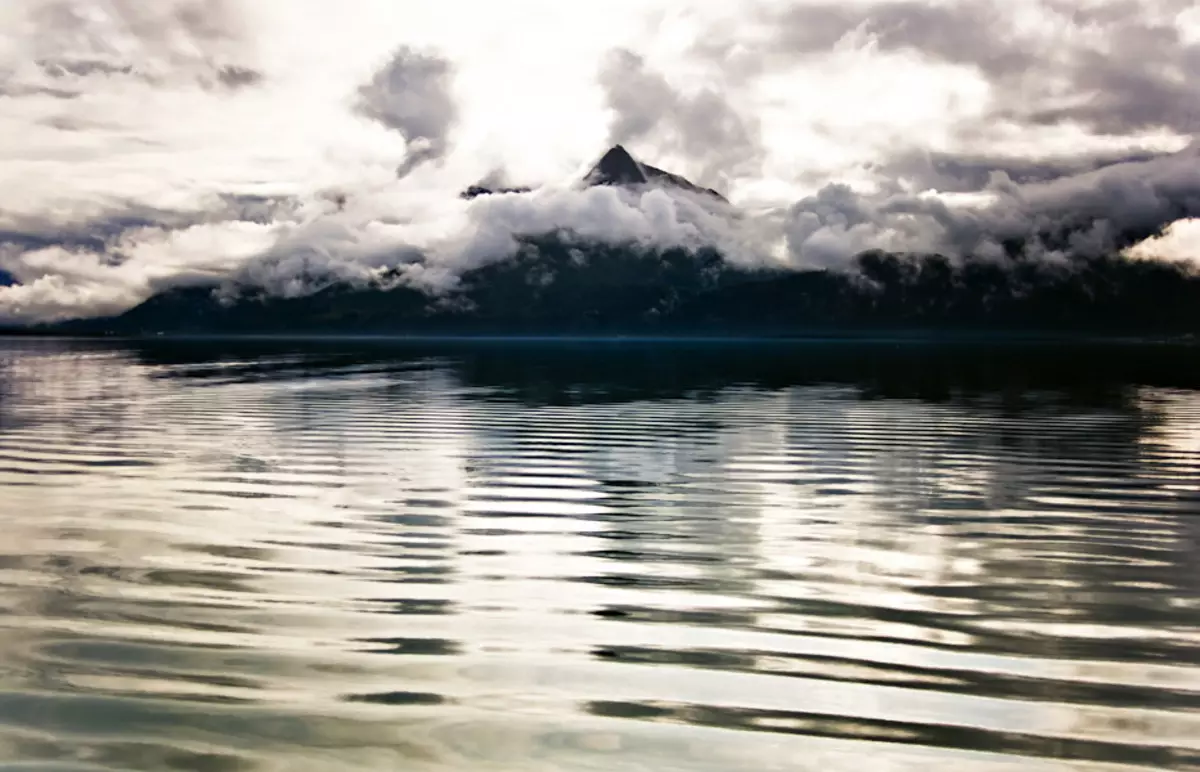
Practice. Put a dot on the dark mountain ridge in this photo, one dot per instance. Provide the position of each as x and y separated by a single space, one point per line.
547 289
557 284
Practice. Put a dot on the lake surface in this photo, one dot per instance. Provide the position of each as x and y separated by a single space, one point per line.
371 555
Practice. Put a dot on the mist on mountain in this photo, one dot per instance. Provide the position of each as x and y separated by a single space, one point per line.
556 286
532 275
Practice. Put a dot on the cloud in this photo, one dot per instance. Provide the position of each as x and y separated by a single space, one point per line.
108 261
1088 214
964 172
1112 66
413 95
285 144
1177 243
355 246
68 45
718 141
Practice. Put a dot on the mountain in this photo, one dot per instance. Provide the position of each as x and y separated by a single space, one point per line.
618 167
549 285
615 167
556 286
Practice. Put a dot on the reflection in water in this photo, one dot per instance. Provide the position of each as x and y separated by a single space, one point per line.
357 555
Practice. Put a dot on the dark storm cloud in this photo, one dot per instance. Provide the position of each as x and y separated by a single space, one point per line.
63 265
413 95
235 77
703 127
104 233
1083 215
97 233
976 34
74 42
1113 67
967 172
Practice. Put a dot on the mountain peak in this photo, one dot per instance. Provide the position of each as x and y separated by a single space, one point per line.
618 167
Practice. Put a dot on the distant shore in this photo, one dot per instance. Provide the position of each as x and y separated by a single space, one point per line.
878 336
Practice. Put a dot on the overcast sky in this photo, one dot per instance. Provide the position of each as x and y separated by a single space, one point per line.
144 144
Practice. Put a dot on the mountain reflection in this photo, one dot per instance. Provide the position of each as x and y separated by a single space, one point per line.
566 555
582 371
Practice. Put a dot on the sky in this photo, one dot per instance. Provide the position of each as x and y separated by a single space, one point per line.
289 143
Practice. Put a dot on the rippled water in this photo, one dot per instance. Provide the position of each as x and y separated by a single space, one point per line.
606 556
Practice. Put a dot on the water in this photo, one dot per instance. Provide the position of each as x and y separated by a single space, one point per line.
598 556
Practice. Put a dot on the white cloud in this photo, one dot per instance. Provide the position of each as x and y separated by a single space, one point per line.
113 107
1180 241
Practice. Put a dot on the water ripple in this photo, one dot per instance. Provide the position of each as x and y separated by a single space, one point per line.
380 557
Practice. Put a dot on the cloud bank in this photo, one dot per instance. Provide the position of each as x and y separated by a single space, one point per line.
283 146
1087 214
